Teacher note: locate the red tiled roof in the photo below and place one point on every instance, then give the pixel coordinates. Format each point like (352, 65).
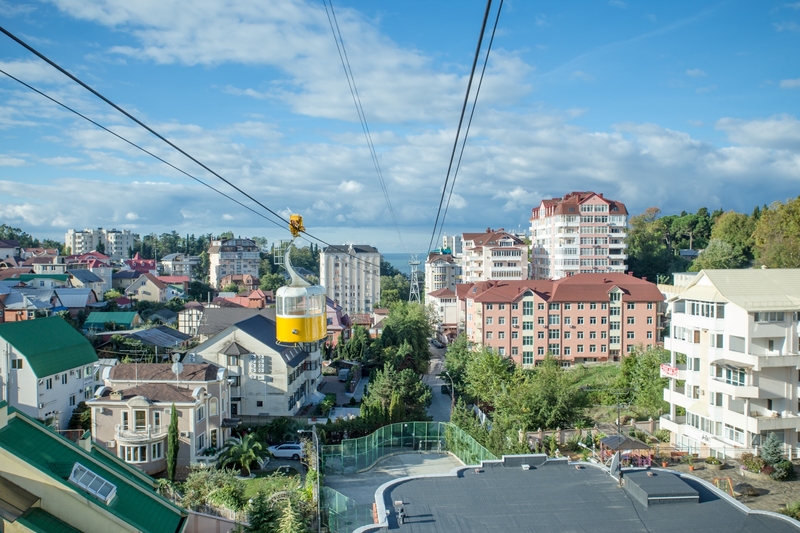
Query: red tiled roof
(595, 287)
(174, 279)
(433, 257)
(490, 236)
(442, 293)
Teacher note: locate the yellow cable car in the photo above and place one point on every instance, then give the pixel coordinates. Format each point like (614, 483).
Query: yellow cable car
(300, 313)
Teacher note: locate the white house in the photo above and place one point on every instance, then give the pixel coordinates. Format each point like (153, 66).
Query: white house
(47, 368)
(266, 379)
(734, 361)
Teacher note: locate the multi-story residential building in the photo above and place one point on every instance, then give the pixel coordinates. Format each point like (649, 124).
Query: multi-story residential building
(51, 484)
(454, 244)
(149, 288)
(734, 359)
(579, 233)
(351, 275)
(131, 413)
(117, 243)
(180, 265)
(442, 271)
(267, 379)
(584, 318)
(49, 368)
(494, 254)
(9, 249)
(444, 303)
(232, 256)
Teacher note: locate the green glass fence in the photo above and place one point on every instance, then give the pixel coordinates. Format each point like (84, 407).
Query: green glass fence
(355, 455)
(341, 514)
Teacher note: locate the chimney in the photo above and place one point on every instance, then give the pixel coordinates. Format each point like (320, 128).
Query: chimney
(644, 278)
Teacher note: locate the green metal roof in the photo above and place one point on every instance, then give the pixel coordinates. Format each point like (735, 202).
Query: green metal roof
(40, 521)
(54, 456)
(29, 277)
(50, 345)
(123, 318)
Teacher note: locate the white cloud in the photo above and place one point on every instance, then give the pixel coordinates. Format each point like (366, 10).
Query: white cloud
(618, 3)
(786, 25)
(60, 161)
(9, 161)
(695, 73)
(790, 84)
(517, 199)
(706, 90)
(131, 216)
(350, 187)
(226, 216)
(778, 132)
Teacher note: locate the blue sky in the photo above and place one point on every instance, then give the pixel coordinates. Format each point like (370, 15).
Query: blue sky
(671, 104)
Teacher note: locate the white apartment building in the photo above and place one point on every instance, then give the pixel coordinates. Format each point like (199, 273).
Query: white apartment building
(579, 233)
(454, 244)
(734, 361)
(442, 271)
(493, 254)
(180, 265)
(232, 256)
(351, 275)
(116, 242)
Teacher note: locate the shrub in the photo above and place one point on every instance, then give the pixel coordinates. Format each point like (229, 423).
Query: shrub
(792, 509)
(752, 463)
(713, 461)
(767, 469)
(663, 435)
(772, 450)
(784, 471)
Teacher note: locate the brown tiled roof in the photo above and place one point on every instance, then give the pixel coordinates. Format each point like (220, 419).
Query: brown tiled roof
(14, 272)
(163, 372)
(490, 236)
(442, 293)
(595, 287)
(433, 257)
(155, 392)
(578, 288)
(570, 204)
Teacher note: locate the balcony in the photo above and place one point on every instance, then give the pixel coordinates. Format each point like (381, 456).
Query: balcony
(678, 398)
(772, 421)
(139, 436)
(735, 391)
(674, 425)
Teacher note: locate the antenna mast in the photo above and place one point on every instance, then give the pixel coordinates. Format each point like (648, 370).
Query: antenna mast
(413, 293)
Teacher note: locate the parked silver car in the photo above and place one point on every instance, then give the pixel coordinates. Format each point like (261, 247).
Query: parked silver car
(287, 451)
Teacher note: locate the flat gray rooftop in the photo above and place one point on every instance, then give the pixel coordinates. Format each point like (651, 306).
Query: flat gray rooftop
(557, 497)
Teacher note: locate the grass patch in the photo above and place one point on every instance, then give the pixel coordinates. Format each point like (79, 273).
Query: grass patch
(272, 482)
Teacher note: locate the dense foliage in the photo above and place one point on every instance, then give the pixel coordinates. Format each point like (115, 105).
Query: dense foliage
(242, 453)
(395, 396)
(173, 443)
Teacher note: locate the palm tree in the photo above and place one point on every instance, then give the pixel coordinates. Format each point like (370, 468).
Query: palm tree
(242, 453)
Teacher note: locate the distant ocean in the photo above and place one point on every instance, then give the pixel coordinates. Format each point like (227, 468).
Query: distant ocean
(400, 262)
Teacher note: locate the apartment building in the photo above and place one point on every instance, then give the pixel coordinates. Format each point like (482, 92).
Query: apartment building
(734, 361)
(232, 256)
(117, 243)
(351, 275)
(442, 271)
(581, 233)
(180, 265)
(493, 254)
(584, 318)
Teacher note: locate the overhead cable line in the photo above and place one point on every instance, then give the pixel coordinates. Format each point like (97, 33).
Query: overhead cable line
(159, 136)
(471, 116)
(460, 121)
(351, 82)
(120, 137)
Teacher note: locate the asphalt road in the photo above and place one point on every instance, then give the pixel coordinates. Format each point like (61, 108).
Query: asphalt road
(440, 406)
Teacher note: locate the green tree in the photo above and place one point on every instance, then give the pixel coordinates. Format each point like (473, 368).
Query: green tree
(777, 235)
(641, 376)
(455, 362)
(81, 417)
(486, 377)
(173, 444)
(394, 289)
(272, 282)
(717, 255)
(262, 515)
(242, 453)
(231, 287)
(408, 323)
(101, 248)
(387, 270)
(291, 521)
(736, 229)
(772, 450)
(200, 291)
(411, 393)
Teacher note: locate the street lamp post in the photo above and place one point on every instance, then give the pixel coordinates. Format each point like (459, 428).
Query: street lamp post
(313, 432)
(452, 392)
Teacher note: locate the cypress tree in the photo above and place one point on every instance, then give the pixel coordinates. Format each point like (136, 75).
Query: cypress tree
(173, 444)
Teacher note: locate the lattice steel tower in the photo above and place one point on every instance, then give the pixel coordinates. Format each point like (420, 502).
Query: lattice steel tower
(413, 293)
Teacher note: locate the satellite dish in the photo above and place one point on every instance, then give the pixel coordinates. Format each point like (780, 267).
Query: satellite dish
(615, 468)
(177, 368)
(176, 357)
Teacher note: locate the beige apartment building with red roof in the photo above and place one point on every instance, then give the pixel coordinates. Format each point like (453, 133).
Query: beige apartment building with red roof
(583, 232)
(584, 318)
(493, 254)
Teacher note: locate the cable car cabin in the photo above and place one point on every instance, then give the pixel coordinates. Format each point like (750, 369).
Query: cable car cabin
(300, 314)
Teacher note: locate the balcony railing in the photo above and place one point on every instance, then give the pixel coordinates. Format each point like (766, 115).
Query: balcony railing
(145, 434)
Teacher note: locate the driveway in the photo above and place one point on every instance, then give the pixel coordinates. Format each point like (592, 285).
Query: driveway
(441, 403)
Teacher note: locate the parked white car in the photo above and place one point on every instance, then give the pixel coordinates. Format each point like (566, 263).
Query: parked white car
(287, 451)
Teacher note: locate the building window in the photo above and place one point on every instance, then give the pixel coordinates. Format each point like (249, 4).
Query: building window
(580, 334)
(592, 334)
(501, 320)
(592, 305)
(580, 348)
(580, 320)
(630, 348)
(603, 334)
(64, 378)
(649, 306)
(554, 349)
(540, 320)
(567, 307)
(553, 334)
(649, 320)
(124, 423)
(631, 306)
(527, 340)
(514, 334)
(769, 317)
(259, 403)
(514, 307)
(592, 348)
(72, 401)
(527, 308)
(488, 335)
(489, 307)
(16, 364)
(488, 321)
(527, 324)
(139, 420)
(156, 451)
(514, 350)
(48, 383)
(233, 360)
(514, 321)
(501, 334)
(580, 306)
(631, 320)
(540, 350)
(201, 442)
(649, 334)
(553, 319)
(201, 413)
(592, 320)
(527, 358)
(540, 306)
(567, 350)
(134, 454)
(630, 335)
